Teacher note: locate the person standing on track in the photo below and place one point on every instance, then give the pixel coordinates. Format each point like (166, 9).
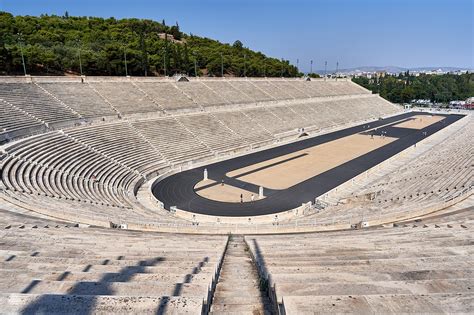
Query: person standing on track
(252, 197)
(241, 198)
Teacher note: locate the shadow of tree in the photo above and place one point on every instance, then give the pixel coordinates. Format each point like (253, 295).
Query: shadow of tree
(264, 274)
(52, 303)
(179, 286)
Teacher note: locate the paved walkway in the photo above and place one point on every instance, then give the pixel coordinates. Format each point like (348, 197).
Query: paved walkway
(238, 288)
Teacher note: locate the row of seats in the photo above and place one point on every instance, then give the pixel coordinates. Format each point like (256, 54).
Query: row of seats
(416, 268)
(121, 143)
(81, 98)
(63, 168)
(173, 95)
(56, 268)
(79, 175)
(35, 102)
(27, 105)
(92, 171)
(12, 118)
(95, 167)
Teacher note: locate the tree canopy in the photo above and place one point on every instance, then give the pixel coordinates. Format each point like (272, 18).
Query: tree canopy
(405, 87)
(60, 44)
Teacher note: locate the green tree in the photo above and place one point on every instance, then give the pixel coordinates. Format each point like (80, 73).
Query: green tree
(237, 44)
(438, 88)
(50, 47)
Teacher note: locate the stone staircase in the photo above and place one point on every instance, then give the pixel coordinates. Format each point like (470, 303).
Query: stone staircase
(238, 290)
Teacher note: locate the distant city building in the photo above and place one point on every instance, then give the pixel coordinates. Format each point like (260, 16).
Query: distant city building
(169, 37)
(416, 73)
(421, 102)
(457, 103)
(469, 103)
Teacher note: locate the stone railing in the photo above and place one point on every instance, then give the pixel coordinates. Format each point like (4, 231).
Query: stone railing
(206, 304)
(274, 218)
(252, 227)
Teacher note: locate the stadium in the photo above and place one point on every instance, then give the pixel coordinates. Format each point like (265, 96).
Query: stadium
(190, 194)
(130, 153)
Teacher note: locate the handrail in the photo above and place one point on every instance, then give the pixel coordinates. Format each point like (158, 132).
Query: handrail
(266, 277)
(206, 306)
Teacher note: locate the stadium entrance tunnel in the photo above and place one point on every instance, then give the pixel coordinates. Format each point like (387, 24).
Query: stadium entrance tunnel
(287, 179)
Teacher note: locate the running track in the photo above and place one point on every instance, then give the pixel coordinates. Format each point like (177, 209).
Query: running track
(178, 189)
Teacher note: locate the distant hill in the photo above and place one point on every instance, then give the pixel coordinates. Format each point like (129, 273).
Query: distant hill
(63, 44)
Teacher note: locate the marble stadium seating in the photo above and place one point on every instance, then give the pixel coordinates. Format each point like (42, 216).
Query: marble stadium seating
(78, 237)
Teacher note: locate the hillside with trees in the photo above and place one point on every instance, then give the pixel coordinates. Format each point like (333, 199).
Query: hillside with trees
(406, 87)
(57, 45)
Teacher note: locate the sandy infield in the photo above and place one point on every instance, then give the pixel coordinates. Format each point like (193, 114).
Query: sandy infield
(316, 160)
(226, 193)
(419, 122)
(288, 170)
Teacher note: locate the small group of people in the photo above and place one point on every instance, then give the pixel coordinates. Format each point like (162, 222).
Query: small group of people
(372, 133)
(252, 196)
(383, 134)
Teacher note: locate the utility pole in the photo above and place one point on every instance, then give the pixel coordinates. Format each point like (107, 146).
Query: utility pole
(281, 71)
(144, 53)
(222, 66)
(195, 65)
(80, 61)
(80, 58)
(125, 60)
(164, 60)
(311, 71)
(245, 65)
(325, 69)
(297, 66)
(337, 68)
(21, 52)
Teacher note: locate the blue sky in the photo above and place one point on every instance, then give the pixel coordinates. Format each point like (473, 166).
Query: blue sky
(406, 33)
